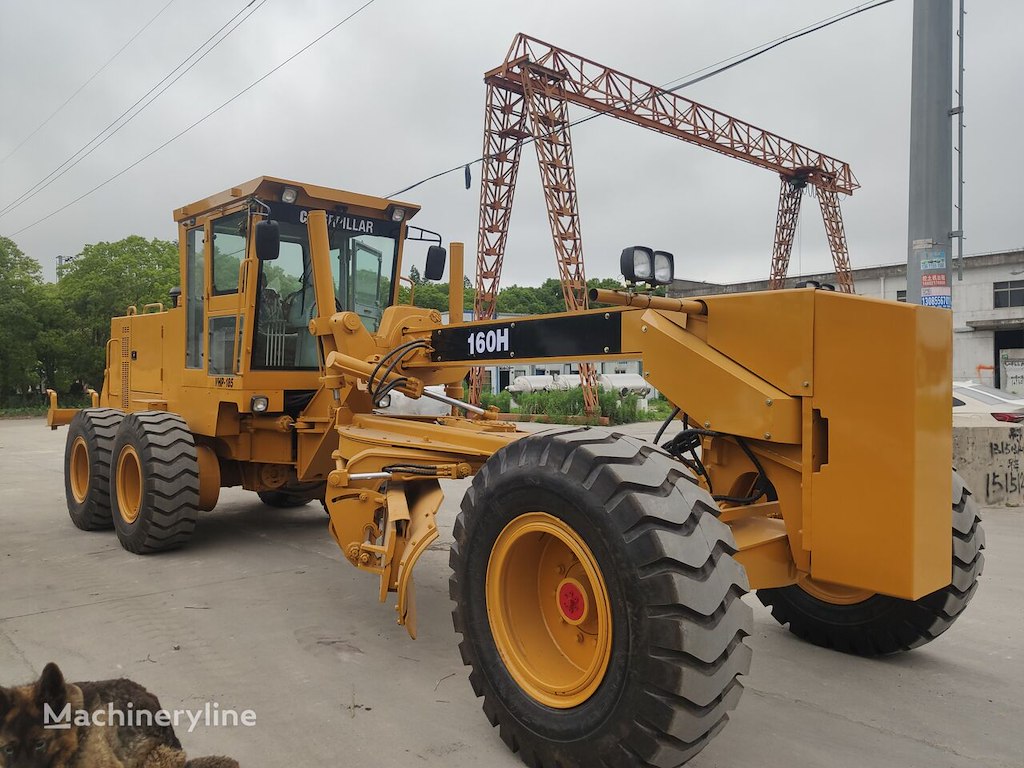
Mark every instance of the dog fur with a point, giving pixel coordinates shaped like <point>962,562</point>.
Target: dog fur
<point>25,743</point>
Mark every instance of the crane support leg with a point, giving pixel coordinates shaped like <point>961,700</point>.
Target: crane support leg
<point>790,194</point>
<point>504,131</point>
<point>548,111</point>
<point>828,199</point>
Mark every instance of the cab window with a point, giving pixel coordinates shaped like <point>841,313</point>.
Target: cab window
<point>284,306</point>
<point>228,251</point>
<point>195,291</point>
<point>369,281</point>
<point>362,266</point>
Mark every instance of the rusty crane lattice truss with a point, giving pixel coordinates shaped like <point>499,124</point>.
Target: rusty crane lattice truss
<point>528,97</point>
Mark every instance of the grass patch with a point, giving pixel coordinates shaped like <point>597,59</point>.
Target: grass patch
<point>562,405</point>
<point>502,401</point>
<point>23,412</point>
<point>28,408</point>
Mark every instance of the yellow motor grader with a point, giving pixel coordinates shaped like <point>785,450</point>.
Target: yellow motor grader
<point>598,579</point>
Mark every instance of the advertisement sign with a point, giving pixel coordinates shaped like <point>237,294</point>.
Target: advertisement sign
<point>934,279</point>
<point>1013,375</point>
<point>937,297</point>
<point>942,302</point>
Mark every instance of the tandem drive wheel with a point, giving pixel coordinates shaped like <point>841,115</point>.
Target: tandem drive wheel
<point>599,605</point>
<point>87,467</point>
<point>155,482</point>
<point>867,624</point>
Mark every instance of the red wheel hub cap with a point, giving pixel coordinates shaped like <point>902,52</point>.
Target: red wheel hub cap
<point>571,601</point>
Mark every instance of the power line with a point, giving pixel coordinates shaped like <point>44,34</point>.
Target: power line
<point>734,61</point>
<point>789,38</point>
<point>809,27</point>
<point>78,156</point>
<point>92,77</point>
<point>205,117</point>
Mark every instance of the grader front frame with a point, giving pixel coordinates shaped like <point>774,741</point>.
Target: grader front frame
<point>597,578</point>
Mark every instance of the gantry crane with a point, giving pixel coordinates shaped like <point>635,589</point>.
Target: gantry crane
<point>528,97</point>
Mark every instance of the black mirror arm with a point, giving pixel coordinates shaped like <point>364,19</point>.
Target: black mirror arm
<point>425,235</point>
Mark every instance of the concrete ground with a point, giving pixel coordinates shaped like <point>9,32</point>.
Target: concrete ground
<point>261,612</point>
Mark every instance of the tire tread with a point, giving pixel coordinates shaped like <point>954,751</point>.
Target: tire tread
<point>99,427</point>
<point>905,624</point>
<point>692,593</point>
<point>171,487</point>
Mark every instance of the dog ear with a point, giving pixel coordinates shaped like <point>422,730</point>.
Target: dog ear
<point>5,703</point>
<point>50,689</point>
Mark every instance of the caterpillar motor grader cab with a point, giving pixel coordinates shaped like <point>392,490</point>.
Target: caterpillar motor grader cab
<point>597,578</point>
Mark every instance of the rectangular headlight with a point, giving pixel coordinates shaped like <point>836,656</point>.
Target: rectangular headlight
<point>664,267</point>
<point>637,264</point>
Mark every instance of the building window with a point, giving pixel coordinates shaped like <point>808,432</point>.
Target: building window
<point>901,296</point>
<point>1009,293</point>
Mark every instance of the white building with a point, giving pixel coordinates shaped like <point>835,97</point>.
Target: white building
<point>988,310</point>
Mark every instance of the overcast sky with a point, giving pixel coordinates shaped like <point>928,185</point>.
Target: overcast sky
<point>397,94</point>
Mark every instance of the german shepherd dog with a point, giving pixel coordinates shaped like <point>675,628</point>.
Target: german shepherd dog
<point>26,743</point>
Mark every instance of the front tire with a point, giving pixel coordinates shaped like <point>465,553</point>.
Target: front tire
<point>155,485</point>
<point>599,605</point>
<point>880,625</point>
<point>87,467</point>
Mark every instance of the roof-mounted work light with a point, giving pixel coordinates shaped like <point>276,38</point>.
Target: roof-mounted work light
<point>640,264</point>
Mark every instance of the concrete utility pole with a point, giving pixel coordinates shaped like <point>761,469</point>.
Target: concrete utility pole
<point>931,155</point>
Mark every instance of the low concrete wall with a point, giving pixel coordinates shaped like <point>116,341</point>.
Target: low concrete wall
<point>989,461</point>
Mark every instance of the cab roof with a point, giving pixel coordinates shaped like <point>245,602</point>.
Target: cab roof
<point>269,189</point>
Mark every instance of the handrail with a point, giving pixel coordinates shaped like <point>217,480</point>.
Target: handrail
<point>646,301</point>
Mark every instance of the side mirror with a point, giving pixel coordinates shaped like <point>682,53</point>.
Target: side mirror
<point>268,240</point>
<point>434,268</point>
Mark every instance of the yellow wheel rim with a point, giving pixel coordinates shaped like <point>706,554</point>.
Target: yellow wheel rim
<point>79,470</point>
<point>836,594</point>
<point>549,610</point>
<point>129,484</point>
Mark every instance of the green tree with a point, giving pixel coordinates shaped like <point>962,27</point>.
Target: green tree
<point>101,282</point>
<point>435,296</point>
<point>54,343</point>
<point>414,275</point>
<point>20,277</point>
<point>527,300</point>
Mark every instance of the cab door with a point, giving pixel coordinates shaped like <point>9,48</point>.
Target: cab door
<point>194,297</point>
<point>224,316</point>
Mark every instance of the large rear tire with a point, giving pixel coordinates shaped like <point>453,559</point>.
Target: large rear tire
<point>880,625</point>
<point>155,485</point>
<point>599,605</point>
<point>87,467</point>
